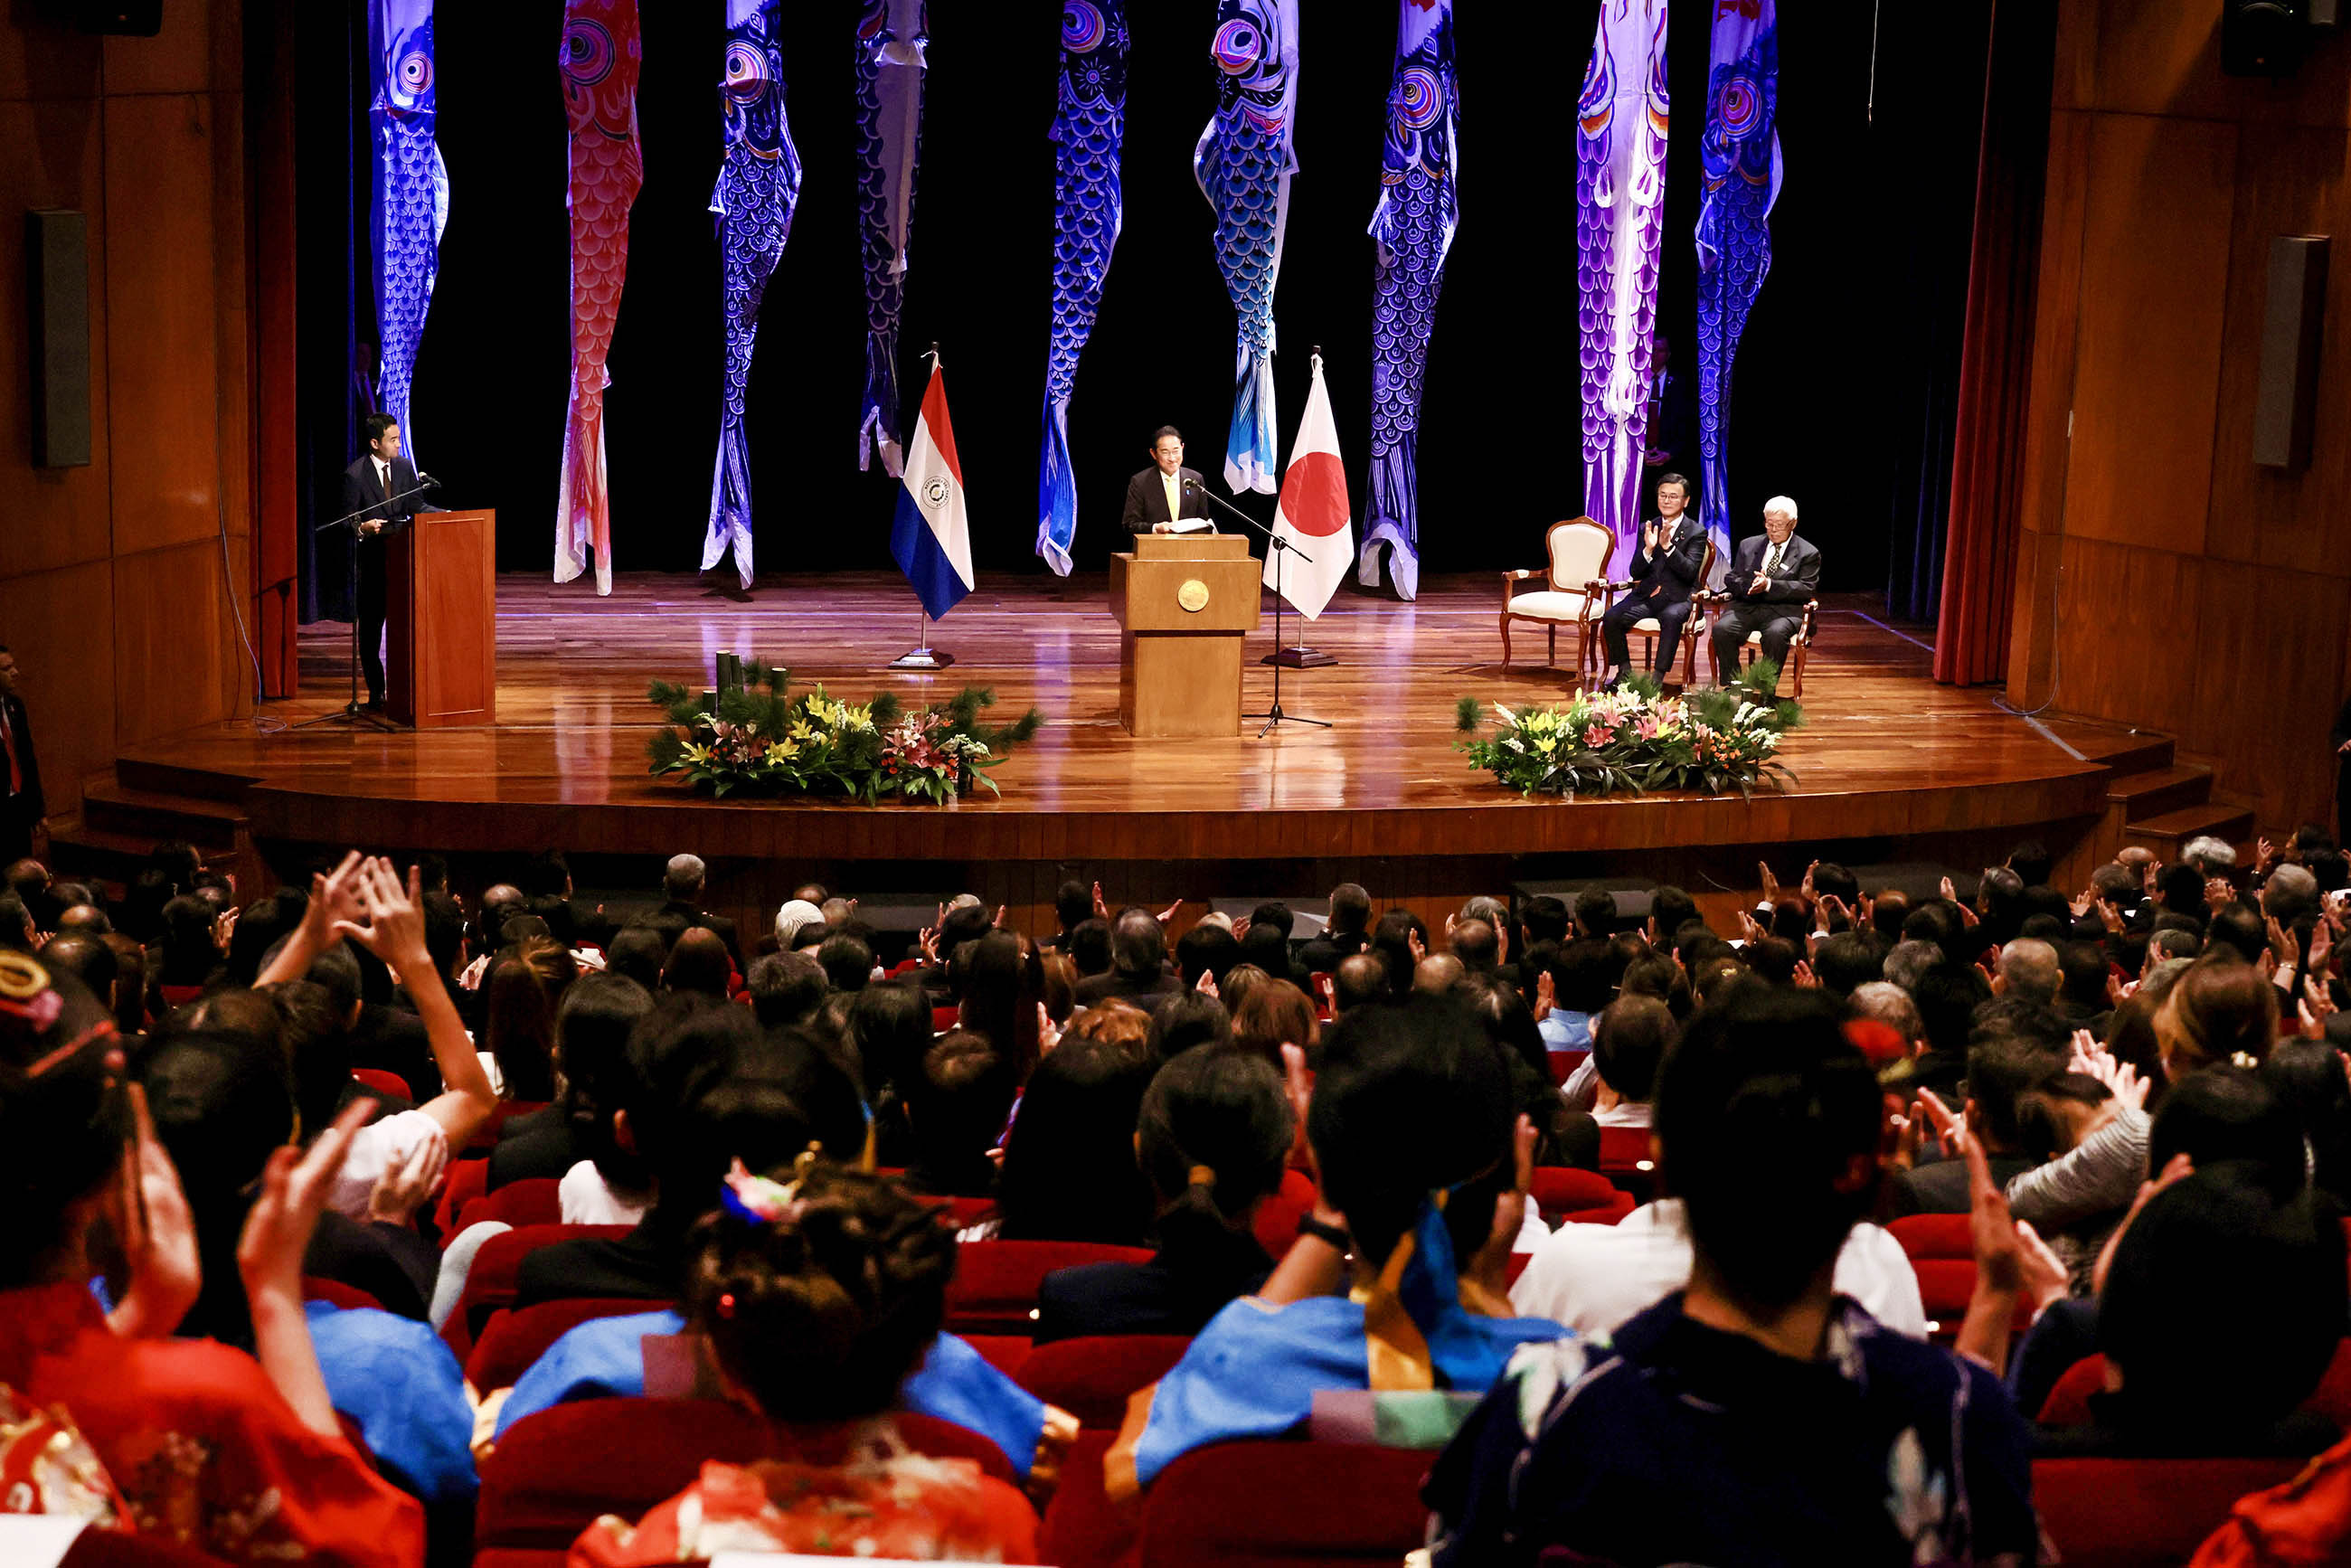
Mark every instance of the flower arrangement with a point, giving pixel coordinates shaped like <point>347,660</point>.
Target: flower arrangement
<point>750,735</point>
<point>1637,739</point>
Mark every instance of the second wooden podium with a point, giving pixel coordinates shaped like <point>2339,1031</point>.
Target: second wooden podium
<point>443,606</point>
<point>1184,602</point>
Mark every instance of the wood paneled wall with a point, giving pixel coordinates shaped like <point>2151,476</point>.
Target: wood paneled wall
<point>2164,579</point>
<point>113,586</point>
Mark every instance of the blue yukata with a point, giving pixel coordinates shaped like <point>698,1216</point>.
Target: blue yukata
<point>401,1385</point>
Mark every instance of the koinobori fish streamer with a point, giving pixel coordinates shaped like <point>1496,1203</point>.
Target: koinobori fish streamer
<point>1620,188</point>
<point>1244,163</point>
<point>599,59</point>
<point>411,198</point>
<point>1412,229</point>
<point>758,186</point>
<point>1739,163</point>
<point>1088,129</point>
<point>893,40</point>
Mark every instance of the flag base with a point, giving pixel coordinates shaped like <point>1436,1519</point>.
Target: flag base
<point>1300,657</point>
<point>923,659</point>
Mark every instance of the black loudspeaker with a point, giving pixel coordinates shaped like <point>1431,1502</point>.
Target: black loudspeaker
<point>2293,325</point>
<point>135,18</point>
<point>2264,38</point>
<point>57,293</point>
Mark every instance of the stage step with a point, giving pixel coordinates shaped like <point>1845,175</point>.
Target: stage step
<point>81,853</point>
<point>2167,831</point>
<point>2124,750</point>
<point>175,778</point>
<point>2160,790</point>
<point>111,806</point>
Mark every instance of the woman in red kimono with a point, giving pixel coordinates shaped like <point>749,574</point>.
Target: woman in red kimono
<point>817,1300</point>
<point>239,1456</point>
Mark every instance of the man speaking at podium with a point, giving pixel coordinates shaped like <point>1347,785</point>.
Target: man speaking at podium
<point>383,485</point>
<point>1166,493</point>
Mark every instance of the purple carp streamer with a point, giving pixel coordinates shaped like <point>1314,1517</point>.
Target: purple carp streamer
<point>1088,131</point>
<point>410,200</point>
<point>599,59</point>
<point>758,186</point>
<point>1413,230</point>
<point>1739,157</point>
<point>1244,163</point>
<point>1620,188</point>
<point>891,41</point>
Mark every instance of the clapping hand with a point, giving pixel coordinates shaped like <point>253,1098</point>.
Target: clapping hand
<point>158,1234</point>
<point>1491,1267</point>
<point>1546,995</point>
<point>403,1188</point>
<point>1102,910</point>
<point>293,1189</point>
<point>394,930</point>
<point>1770,883</point>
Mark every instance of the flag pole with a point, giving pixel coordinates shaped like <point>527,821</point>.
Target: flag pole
<point>922,656</point>
<point>1298,655</point>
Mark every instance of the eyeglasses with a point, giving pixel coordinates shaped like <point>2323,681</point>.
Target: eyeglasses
<point>1176,451</point>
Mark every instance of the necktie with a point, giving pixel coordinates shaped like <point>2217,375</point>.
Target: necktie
<point>1771,562</point>
<point>8,735</point>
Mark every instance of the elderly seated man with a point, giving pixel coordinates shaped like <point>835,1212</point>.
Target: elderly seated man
<point>1771,580</point>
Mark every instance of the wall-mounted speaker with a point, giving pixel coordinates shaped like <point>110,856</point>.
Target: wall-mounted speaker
<point>57,293</point>
<point>2264,38</point>
<point>2292,330</point>
<point>136,18</point>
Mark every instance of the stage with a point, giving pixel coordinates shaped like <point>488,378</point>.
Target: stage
<point>1887,762</point>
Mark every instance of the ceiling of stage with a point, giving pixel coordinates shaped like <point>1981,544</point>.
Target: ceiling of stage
<point>1845,378</point>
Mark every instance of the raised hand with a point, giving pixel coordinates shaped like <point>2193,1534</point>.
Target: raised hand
<point>1206,985</point>
<point>1804,978</point>
<point>1491,1267</point>
<point>293,1189</point>
<point>2284,944</point>
<point>394,931</point>
<point>158,1235</point>
<point>404,1188</point>
<point>1770,883</point>
<point>2046,1278</point>
<point>1546,995</point>
<point>1807,888</point>
<point>1049,1033</point>
<point>1940,1120</point>
<point>1102,910</point>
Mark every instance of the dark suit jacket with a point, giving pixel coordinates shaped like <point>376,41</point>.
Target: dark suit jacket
<point>362,492</point>
<point>1199,1268</point>
<point>1146,500</point>
<point>718,923</point>
<point>1144,994</point>
<point>1800,571</point>
<point>30,804</point>
<point>1670,576</point>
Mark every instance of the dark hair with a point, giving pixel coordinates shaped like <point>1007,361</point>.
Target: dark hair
<point>1831,880</point>
<point>1630,1038</point>
<point>638,950</point>
<point>847,962</point>
<point>1361,977</point>
<point>1187,1020</point>
<point>1582,977</point>
<point>890,1029</point>
<point>1669,908</point>
<point>957,1103</point>
<point>222,1105</point>
<point>318,1048</point>
<point>1163,432</point>
<point>1137,944</point>
<point>969,923</point>
<point>62,1128</point>
<point>1005,983</point>
<point>786,987</point>
<point>1069,1171</point>
<point>1206,948</point>
<point>780,1096</point>
<point>1073,901</point>
<point>2219,1114</point>
<point>2180,886</point>
<point>2001,1071</point>
<point>1595,912</point>
<point>593,1027</point>
<point>1543,918</point>
<point>444,931</point>
<point>2030,861</point>
<point>1090,946</point>
<point>518,997</point>
<point>2256,1280</point>
<point>1274,1014</point>
<point>1214,1134</point>
<point>2240,929</point>
<point>1888,913</point>
<point>822,1315</point>
<point>2306,1075</point>
<point>1849,960</point>
<point>1774,960</point>
<point>1671,478</point>
<point>1351,910</point>
<point>1477,945</point>
<point>1764,1112</point>
<point>87,959</point>
<point>2220,1008</point>
<point>1392,942</point>
<point>1266,948</point>
<point>698,961</point>
<point>189,956</point>
<point>1411,1100</point>
<point>373,425</point>
<point>678,1050</point>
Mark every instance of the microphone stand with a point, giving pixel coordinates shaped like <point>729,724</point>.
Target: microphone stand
<point>1277,546</point>
<point>351,712</point>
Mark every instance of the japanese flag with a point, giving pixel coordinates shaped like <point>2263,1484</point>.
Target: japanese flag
<point>1313,514</point>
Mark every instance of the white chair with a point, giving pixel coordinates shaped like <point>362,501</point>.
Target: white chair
<point>1571,595</point>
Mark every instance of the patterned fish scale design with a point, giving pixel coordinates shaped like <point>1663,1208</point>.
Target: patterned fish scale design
<point>599,59</point>
<point>1244,163</point>
<point>1738,157</point>
<point>1620,190</point>
<point>1413,226</point>
<point>410,200</point>
<point>759,187</point>
<point>893,40</point>
<point>1089,129</point>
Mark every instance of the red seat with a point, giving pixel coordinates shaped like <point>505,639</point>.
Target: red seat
<point>2068,1404</point>
<point>490,1284</point>
<point>117,1549</point>
<point>1563,1064</point>
<point>1006,1353</point>
<point>335,1293</point>
<point>1285,1505</point>
<point>1564,1195</point>
<point>1091,1378</point>
<point>944,1018</point>
<point>465,1180</point>
<point>963,1212</point>
<point>2127,1513</point>
<point>1277,1217</point>
<point>1625,1149</point>
<point>1943,1256</point>
<point>380,1081</point>
<point>538,1201</point>
<point>486,1137</point>
<point>555,1472</point>
<point>1082,1528</point>
<point>512,1339</point>
<point>995,1287</point>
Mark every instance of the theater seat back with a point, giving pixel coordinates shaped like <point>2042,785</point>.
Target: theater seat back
<point>1091,1378</point>
<point>1564,1195</point>
<point>995,1286</point>
<point>511,1340</point>
<point>2128,1514</point>
<point>1285,1505</point>
<point>498,1268</point>
<point>538,1201</point>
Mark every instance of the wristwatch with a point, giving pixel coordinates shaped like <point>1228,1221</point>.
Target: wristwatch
<point>1309,1225</point>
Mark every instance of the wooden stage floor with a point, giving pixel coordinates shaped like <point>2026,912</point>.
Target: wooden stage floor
<point>1886,752</point>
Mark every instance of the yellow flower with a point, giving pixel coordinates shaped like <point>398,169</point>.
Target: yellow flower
<point>782,750</point>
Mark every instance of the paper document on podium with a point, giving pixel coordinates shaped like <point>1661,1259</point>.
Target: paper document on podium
<point>1191,525</point>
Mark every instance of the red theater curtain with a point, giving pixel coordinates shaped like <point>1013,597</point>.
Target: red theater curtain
<point>1996,355</point>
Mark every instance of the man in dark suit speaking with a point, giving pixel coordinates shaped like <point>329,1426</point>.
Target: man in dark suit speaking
<point>1166,492</point>
<point>369,486</point>
<point>1770,580</point>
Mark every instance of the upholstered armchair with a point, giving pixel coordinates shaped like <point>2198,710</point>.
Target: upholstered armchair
<point>1570,595</point>
<point>1648,627</point>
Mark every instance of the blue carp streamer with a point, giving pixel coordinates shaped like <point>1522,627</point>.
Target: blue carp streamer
<point>1739,159</point>
<point>1412,229</point>
<point>1244,163</point>
<point>1620,189</point>
<point>893,40</point>
<point>1087,133</point>
<point>411,198</point>
<point>758,186</point>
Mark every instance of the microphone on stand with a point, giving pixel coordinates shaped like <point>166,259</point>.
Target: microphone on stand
<point>426,482</point>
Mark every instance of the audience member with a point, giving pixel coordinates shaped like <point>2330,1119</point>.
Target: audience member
<point>1069,1172</point>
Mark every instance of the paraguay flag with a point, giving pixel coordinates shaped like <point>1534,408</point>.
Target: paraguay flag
<point>930,538</point>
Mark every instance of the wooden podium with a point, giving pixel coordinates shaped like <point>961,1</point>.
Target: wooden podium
<point>442,599</point>
<point>1184,602</point>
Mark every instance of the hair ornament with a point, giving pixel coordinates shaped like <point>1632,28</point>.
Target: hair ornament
<point>758,1200</point>
<point>1202,1175</point>
<point>727,1304</point>
<point>2242,1058</point>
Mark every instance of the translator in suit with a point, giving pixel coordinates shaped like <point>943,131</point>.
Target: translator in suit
<point>1664,576</point>
<point>1790,572</point>
<point>1147,498</point>
<point>22,805</point>
<point>367,485</point>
